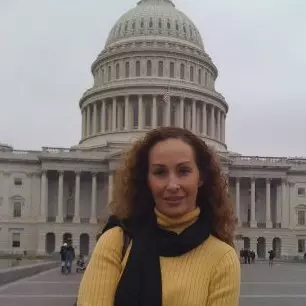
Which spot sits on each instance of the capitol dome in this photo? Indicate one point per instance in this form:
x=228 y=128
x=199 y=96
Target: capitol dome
x=153 y=72
x=155 y=18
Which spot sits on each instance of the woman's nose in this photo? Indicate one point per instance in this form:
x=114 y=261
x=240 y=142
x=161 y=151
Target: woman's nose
x=173 y=184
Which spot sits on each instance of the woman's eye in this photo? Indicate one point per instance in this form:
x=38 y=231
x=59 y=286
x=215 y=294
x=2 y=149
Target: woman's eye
x=159 y=172
x=184 y=171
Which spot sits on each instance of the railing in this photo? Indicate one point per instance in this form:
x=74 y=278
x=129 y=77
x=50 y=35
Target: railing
x=260 y=159
x=85 y=220
x=56 y=150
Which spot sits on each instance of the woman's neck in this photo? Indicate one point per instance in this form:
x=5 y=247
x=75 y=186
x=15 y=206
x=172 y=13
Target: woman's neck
x=178 y=224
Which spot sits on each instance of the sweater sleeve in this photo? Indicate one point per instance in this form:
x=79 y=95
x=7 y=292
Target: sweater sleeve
x=224 y=289
x=101 y=277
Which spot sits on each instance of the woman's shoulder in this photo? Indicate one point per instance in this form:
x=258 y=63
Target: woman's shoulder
x=219 y=248
x=111 y=239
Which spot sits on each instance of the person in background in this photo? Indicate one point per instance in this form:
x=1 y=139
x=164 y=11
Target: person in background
x=271 y=257
x=171 y=200
x=63 y=253
x=70 y=255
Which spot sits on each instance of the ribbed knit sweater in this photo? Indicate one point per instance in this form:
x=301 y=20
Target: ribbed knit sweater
x=208 y=275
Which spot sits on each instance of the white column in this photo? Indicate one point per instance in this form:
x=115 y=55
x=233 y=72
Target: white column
x=212 y=122
x=182 y=111
x=114 y=114
x=238 y=201
x=285 y=206
x=218 y=124
x=292 y=212
x=222 y=136
x=60 y=194
x=194 y=118
x=88 y=123
x=76 y=217
x=154 y=112
x=102 y=124
x=268 y=203
x=140 y=113
x=83 y=123
x=95 y=115
x=168 y=112
x=126 y=113
x=204 y=120
x=110 y=187
x=93 y=215
x=188 y=117
x=43 y=196
x=120 y=116
x=253 y=203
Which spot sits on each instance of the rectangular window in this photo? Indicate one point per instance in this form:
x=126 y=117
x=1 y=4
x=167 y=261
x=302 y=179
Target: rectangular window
x=17 y=210
x=171 y=70
x=127 y=69
x=109 y=73
x=18 y=182
x=16 y=240
x=301 y=245
x=301 y=192
x=138 y=68
x=160 y=69
x=117 y=71
x=191 y=74
x=200 y=76
x=301 y=217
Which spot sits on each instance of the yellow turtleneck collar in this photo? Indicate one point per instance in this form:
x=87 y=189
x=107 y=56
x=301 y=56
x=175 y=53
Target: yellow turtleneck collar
x=177 y=225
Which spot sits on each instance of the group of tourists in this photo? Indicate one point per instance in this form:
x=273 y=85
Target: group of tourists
x=247 y=256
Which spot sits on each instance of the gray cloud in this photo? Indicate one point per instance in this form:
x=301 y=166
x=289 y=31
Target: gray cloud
x=259 y=47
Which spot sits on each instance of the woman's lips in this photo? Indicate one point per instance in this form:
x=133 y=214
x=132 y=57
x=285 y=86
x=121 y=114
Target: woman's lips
x=173 y=200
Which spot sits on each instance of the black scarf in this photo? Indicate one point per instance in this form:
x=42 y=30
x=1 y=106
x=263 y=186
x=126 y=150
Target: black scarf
x=140 y=284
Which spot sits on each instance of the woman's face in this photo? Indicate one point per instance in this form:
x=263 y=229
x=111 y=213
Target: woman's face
x=173 y=177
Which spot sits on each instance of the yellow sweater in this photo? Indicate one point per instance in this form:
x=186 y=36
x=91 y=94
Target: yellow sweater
x=208 y=275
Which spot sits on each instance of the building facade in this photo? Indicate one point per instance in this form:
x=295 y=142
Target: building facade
x=153 y=72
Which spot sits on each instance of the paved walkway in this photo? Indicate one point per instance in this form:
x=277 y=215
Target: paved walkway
x=281 y=285
x=45 y=289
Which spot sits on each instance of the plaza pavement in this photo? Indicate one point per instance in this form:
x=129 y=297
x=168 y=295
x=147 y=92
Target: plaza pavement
x=281 y=285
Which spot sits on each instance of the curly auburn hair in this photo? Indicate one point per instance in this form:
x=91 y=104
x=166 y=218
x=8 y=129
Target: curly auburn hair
x=132 y=196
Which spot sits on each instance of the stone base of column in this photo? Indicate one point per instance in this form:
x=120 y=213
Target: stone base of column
x=42 y=219
x=253 y=224
x=269 y=224
x=93 y=220
x=76 y=220
x=59 y=219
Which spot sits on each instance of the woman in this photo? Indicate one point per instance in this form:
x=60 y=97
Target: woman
x=171 y=199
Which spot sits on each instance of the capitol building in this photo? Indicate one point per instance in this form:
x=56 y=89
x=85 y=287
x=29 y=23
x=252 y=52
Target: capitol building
x=154 y=71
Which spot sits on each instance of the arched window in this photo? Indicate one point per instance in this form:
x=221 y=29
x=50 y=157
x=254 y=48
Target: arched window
x=182 y=72
x=127 y=69
x=133 y=25
x=117 y=71
x=142 y=23
x=177 y=26
x=191 y=74
x=109 y=73
x=138 y=68
x=206 y=78
x=171 y=70
x=102 y=77
x=184 y=29
x=151 y=23
x=160 y=68
x=149 y=68
x=200 y=76
x=168 y=24
x=160 y=23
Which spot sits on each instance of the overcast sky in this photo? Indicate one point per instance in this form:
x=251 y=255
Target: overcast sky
x=259 y=47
